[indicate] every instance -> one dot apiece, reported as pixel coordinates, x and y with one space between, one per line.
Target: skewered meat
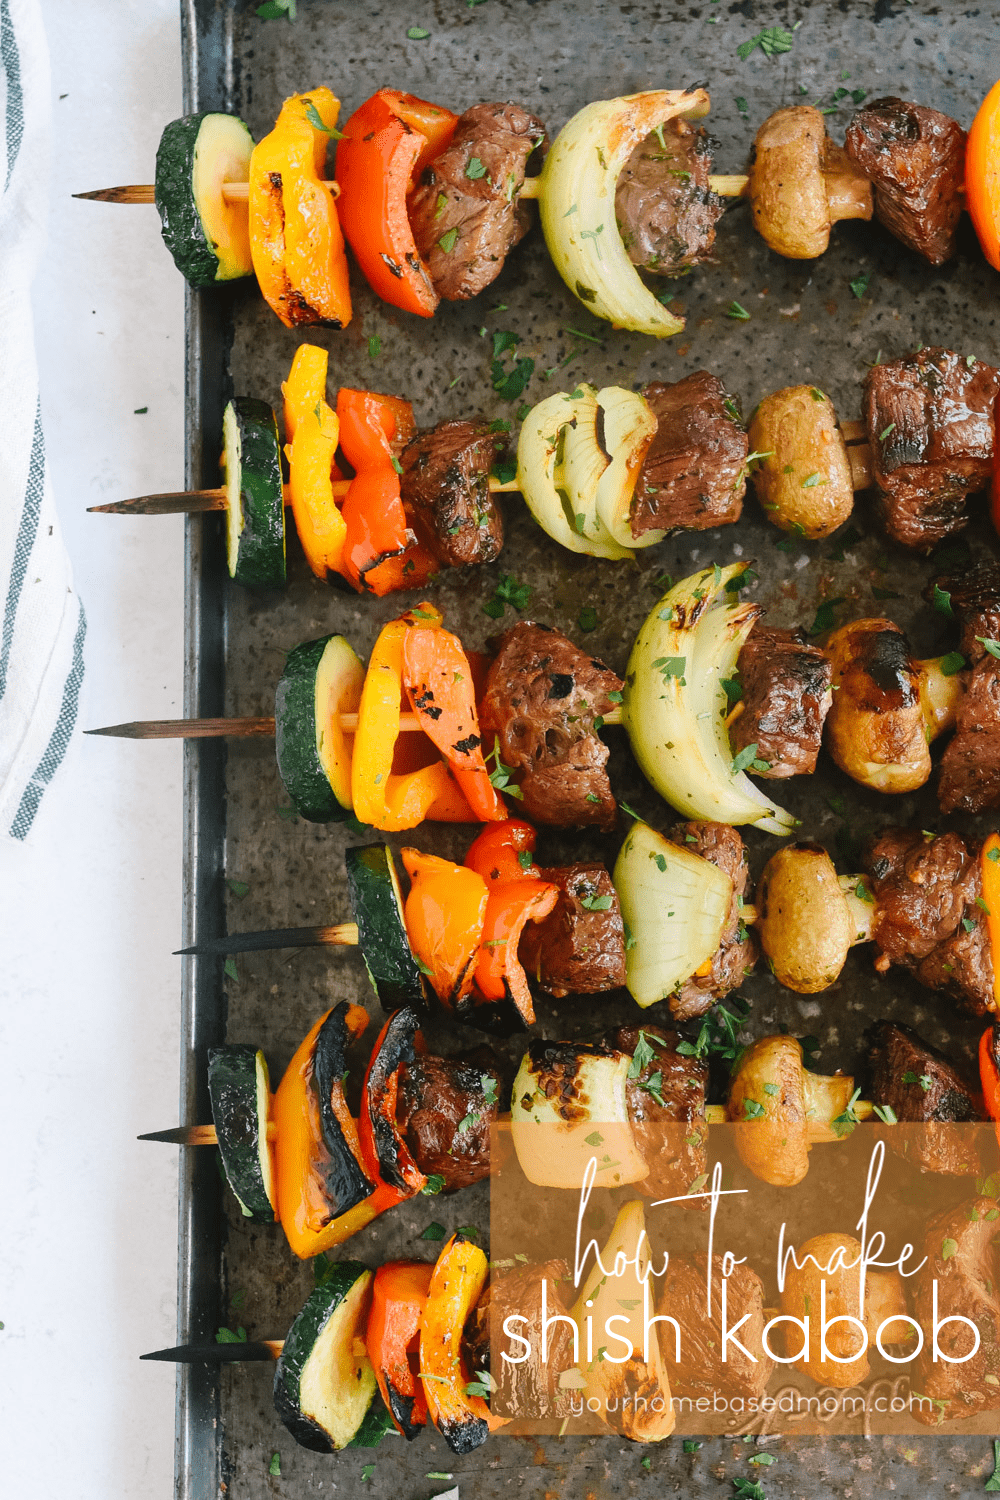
694 474
531 1387
919 1084
915 158
437 1095
701 1370
668 1090
446 493
579 948
736 954
465 211
975 601
786 698
961 1260
926 913
542 696
665 209
931 425
970 766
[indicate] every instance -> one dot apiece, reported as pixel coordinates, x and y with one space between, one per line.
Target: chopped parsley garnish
501 775
596 903
374 346
474 168
274 1467
942 602
749 760
239 888
993 1483
227 1336
507 591
273 10
229 969
366 1472
735 310
483 1385
733 691
717 1036
993 647
824 616
752 1110
771 41
886 1114
313 116
587 619
744 109
417 34
434 1231
886 431
860 284
671 666
845 1123
448 240
952 663
433 1185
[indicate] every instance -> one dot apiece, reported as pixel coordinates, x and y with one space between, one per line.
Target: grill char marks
915 159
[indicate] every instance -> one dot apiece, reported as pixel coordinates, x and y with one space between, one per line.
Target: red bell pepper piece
989 1072
982 175
385 145
498 854
399 1297
373 512
438 681
385 1155
444 915
498 969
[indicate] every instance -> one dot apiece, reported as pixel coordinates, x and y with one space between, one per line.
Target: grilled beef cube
701 1370
529 1388
446 492
665 209
931 425
975 600
920 1085
542 696
915 159
737 952
579 948
786 698
465 211
436 1095
668 1090
926 913
694 474
962 1267
970 766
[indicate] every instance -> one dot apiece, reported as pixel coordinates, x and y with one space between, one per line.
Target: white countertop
91 903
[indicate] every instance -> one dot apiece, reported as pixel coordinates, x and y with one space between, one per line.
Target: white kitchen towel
42 624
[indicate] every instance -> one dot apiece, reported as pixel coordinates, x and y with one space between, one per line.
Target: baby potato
875 729
766 1098
787 190
805 484
804 924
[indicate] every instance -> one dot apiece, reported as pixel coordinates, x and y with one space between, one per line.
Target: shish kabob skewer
449 185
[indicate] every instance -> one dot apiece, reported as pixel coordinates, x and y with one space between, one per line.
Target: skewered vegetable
240 1092
561 1092
801 183
377 904
828 1281
982 175
675 706
458 1278
399 1297
324 1382
312 433
803 474
255 505
806 920
321 681
206 233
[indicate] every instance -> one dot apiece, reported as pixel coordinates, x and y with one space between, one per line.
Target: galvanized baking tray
806 324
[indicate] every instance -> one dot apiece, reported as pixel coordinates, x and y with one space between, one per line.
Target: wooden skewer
145 192
244 1351
196 1135
343 935
191 502
206 729
819 1131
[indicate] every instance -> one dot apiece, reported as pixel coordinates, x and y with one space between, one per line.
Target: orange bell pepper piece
989 865
444 915
498 968
313 432
399 1296
295 240
438 681
457 1283
302 1159
375 521
385 800
384 1151
982 175
384 147
503 852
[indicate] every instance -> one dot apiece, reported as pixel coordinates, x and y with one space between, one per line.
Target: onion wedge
569 1104
569 515
675 708
577 204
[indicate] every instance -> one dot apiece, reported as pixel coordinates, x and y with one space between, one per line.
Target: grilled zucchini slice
240 1091
208 237
324 1382
322 679
255 496
378 910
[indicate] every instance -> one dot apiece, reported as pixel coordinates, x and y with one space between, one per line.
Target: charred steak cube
465 211
446 492
919 1084
701 1370
970 766
437 1095
915 159
736 954
786 698
579 948
666 1105
932 427
542 696
975 602
665 210
694 474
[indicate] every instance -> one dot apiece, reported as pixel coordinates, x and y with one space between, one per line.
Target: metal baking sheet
806 325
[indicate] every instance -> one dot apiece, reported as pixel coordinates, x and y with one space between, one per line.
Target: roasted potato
876 730
805 482
803 922
801 183
803 1298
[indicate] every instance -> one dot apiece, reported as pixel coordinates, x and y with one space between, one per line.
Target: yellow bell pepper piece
295 239
313 431
386 801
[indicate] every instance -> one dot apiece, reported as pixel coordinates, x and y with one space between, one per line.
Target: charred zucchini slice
322 679
378 910
240 1091
208 237
255 497
324 1382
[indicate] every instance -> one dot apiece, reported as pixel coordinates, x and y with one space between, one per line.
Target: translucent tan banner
737 1278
